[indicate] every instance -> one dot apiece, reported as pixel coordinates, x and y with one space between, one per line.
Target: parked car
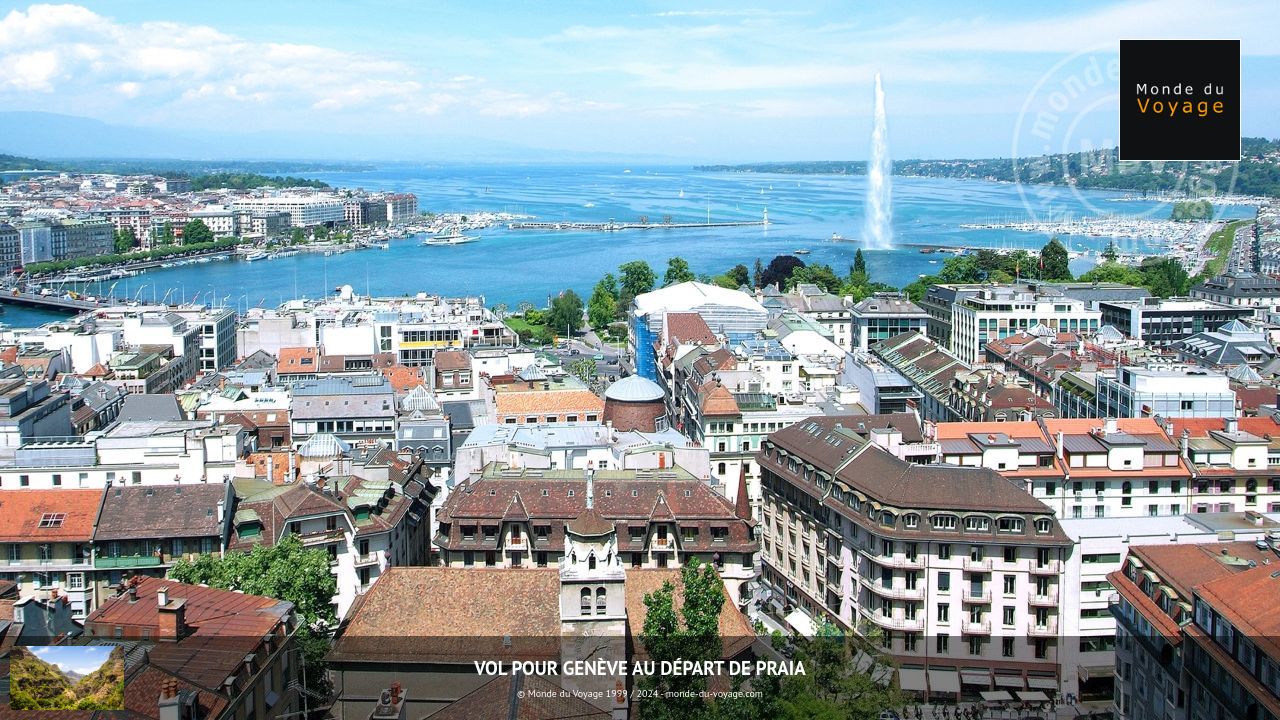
598 356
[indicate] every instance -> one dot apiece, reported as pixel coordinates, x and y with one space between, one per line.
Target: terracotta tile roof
1183 566
1248 600
60 514
717 400
955 430
9 354
454 615
142 690
457 615
402 378
687 328
1082 426
589 523
223 626
452 360
98 371
164 511
298 360
528 697
1200 427
549 402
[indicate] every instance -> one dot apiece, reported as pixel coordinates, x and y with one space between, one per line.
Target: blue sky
683 80
81 659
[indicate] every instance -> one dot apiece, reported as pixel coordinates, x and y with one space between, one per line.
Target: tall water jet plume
877 233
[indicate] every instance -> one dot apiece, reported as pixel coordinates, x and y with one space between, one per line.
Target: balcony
517 543
50 564
897 623
128 561
1048 628
368 559
982 627
663 544
1052 567
977 596
972 565
893 561
1043 600
896 593
323 537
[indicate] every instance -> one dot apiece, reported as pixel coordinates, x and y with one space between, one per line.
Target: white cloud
186 69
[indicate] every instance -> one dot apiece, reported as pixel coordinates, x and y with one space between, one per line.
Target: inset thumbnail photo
49 677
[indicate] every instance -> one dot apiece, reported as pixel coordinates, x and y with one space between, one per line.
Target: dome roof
634 389
323 445
590 524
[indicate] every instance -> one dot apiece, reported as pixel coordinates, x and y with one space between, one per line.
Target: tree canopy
602 308
1054 261
565 313
677 272
779 271
196 232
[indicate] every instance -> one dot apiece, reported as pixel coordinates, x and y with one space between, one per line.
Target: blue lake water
514 265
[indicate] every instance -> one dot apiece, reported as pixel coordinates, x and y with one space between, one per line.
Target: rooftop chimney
162 595
133 594
591 487
391 704
173 620
1232 424
1110 426
1185 443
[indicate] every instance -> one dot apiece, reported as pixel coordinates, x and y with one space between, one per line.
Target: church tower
593 605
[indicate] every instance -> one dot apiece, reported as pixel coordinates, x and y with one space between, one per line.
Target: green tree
602 308
1054 261
739 274
321 232
286 571
297 236
677 272
1111 254
779 271
196 232
584 368
859 262
1165 277
125 241
565 313
757 274
697 638
166 235
846 677
821 275
637 278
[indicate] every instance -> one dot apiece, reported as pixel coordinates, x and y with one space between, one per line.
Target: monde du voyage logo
1180 100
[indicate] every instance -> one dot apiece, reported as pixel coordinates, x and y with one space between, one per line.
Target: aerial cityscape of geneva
392 361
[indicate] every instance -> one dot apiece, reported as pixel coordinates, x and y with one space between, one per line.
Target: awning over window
801 623
944 681
1096 671
1043 683
1033 696
911 679
976 677
1014 681
996 696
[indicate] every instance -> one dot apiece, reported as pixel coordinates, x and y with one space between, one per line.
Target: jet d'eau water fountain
877 232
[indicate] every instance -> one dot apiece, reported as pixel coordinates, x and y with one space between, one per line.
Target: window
1011 525
585 602
468 558
1008 617
57 480
944 551
490 558
1010 554
1006 646
601 602
941 644
944 581
51 520
944 613
1010 584
24 481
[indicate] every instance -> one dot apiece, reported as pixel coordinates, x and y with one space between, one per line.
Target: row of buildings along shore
76 216
1023 491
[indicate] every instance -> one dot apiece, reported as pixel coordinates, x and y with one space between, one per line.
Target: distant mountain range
56 136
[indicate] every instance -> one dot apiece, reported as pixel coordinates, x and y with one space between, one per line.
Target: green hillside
38 685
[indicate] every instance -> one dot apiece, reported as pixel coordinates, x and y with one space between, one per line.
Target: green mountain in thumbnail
38 685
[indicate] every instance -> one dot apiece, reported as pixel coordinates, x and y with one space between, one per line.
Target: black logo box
1180 65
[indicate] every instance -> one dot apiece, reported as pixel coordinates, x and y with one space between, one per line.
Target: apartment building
997 312
352 408
10 248
365 523
1255 291
930 368
957 568
401 207
517 517
48 543
882 316
1195 629
813 303
304 210
1235 463
1163 321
